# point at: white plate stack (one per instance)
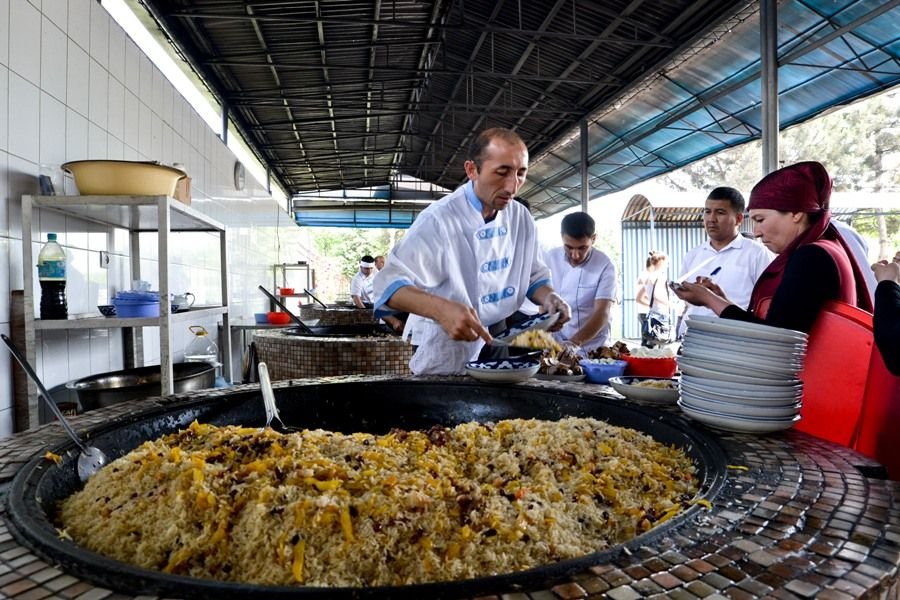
(741, 376)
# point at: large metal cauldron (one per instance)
(106, 389)
(335, 331)
(374, 407)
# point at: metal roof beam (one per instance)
(751, 73)
(523, 58)
(409, 24)
(609, 79)
(275, 76)
(348, 68)
(453, 107)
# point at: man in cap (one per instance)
(361, 284)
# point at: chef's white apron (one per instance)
(494, 293)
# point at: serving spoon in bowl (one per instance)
(90, 458)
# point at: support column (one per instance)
(768, 42)
(585, 191)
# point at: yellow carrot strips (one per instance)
(346, 525)
(297, 564)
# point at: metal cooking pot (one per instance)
(106, 389)
(352, 330)
(375, 407)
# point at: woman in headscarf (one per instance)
(790, 215)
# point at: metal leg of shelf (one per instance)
(27, 416)
(167, 383)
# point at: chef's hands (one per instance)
(461, 322)
(554, 303)
(394, 323)
(570, 353)
(888, 270)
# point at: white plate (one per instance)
(738, 408)
(738, 424)
(709, 370)
(544, 321)
(559, 377)
(788, 398)
(742, 389)
(733, 344)
(625, 386)
(731, 339)
(502, 370)
(746, 329)
(773, 366)
(743, 363)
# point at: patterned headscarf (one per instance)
(802, 187)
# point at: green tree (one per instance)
(347, 246)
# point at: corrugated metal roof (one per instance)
(708, 98)
(351, 94)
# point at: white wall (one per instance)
(74, 86)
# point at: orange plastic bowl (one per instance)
(650, 367)
(286, 291)
(278, 318)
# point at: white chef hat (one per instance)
(366, 265)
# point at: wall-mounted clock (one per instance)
(239, 175)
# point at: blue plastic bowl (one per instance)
(261, 318)
(601, 372)
(131, 309)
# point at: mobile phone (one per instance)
(675, 285)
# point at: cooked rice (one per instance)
(327, 509)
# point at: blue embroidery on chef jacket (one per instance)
(495, 265)
(498, 296)
(491, 232)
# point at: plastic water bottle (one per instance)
(201, 348)
(52, 275)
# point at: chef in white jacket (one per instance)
(469, 260)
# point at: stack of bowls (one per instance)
(741, 376)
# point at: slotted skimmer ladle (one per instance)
(90, 458)
(265, 386)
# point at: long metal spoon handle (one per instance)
(40, 386)
(310, 294)
(300, 324)
(265, 386)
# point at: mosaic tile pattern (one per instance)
(336, 316)
(796, 518)
(292, 356)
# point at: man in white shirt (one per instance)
(361, 284)
(469, 260)
(727, 258)
(586, 278)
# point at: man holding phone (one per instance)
(727, 259)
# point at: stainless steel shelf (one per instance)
(135, 213)
(94, 322)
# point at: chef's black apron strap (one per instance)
(491, 352)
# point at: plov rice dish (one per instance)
(327, 509)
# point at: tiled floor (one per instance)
(794, 519)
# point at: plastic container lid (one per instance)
(136, 296)
(51, 237)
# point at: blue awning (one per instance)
(831, 52)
